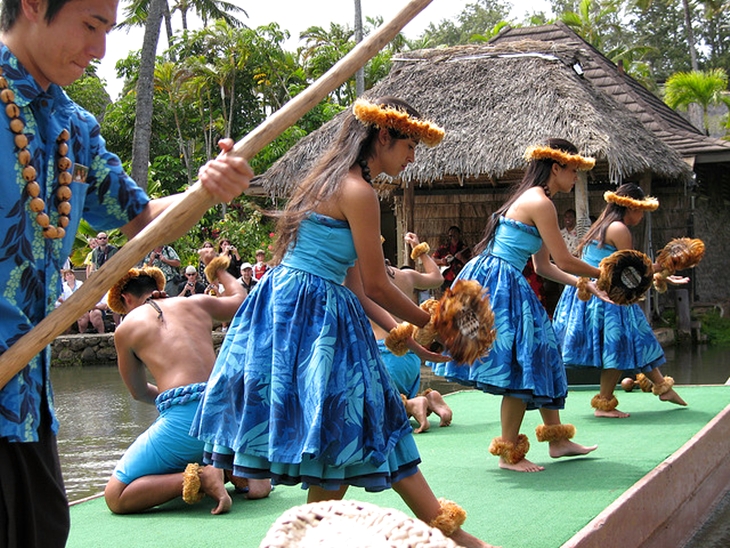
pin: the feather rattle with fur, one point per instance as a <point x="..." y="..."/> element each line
<point x="626" y="276"/>
<point x="678" y="254"/>
<point x="462" y="320"/>
<point x="465" y="321"/>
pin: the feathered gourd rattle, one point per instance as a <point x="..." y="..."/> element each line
<point x="461" y="319"/>
<point x="678" y="254"/>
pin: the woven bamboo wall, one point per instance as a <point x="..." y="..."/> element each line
<point x="435" y="213"/>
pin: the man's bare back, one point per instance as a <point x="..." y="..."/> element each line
<point x="176" y="346"/>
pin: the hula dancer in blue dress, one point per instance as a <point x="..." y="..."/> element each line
<point x="615" y="339"/>
<point x="299" y="392"/>
<point x="524" y="365"/>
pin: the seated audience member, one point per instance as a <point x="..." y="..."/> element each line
<point x="94" y="316"/>
<point x="452" y="256"/>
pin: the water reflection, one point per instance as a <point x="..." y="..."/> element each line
<point x="99" y="419"/>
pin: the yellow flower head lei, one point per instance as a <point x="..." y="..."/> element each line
<point x="542" y="152"/>
<point x="648" y="203"/>
<point x="385" y="116"/>
<point x="114" y="297"/>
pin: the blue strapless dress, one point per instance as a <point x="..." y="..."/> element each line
<point x="524" y="361"/>
<point x="299" y="392"/>
<point x="601" y="335"/>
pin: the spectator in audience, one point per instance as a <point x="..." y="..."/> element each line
<point x="88" y="261"/>
<point x="247" y="280"/>
<point x="103" y="251"/>
<point x="191" y="285"/>
<point x="166" y="259"/>
<point x="260" y="268"/>
<point x="227" y="249"/>
<point x="569" y="231"/>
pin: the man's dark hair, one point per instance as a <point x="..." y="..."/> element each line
<point x="10" y="10"/>
<point x="140" y="285"/>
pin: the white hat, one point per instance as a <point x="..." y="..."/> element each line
<point x="244" y="266"/>
<point x="190" y="270"/>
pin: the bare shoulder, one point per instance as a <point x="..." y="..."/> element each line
<point x="531" y="206"/>
<point x="618" y="235"/>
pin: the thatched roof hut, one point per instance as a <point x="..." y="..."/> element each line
<point x="708" y="156"/>
<point x="494" y="101"/>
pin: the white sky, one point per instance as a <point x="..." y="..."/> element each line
<point x="297" y="15"/>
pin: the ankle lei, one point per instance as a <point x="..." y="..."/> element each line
<point x="37" y="205"/>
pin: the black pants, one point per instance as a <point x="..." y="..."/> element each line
<point x="33" y="505"/>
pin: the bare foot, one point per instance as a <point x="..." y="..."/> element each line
<point x="418" y="409"/>
<point x="672" y="397"/>
<point x="211" y="482"/>
<point x="613" y="414"/>
<point x="438" y="405"/>
<point x="462" y="538"/>
<point x="522" y="466"/>
<point x="567" y="448"/>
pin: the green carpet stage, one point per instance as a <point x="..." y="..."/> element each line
<point x="653" y="477"/>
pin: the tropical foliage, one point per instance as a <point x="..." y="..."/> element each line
<point x="224" y="79"/>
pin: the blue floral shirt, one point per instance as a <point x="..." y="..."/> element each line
<point x="29" y="263"/>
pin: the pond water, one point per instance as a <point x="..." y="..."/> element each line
<point x="99" y="419"/>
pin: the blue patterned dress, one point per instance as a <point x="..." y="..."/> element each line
<point x="524" y="361"/>
<point x="601" y="335"/>
<point x="299" y="392"/>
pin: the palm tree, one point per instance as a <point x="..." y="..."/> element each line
<point x="150" y="13"/>
<point x="136" y="12"/>
<point x="687" y="10"/>
<point x="590" y="20"/>
<point x="703" y="88"/>
<point x="170" y="80"/>
<point x="209" y="10"/>
<point x="360" y="74"/>
<point x="145" y="93"/>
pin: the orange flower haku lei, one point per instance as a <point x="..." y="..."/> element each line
<point x="37" y="205"/>
<point x="424" y="131"/>
<point x="114" y="297"/>
<point x="649" y="203"/>
<point x="539" y="152"/>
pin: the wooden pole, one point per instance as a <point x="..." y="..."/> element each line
<point x="582" y="213"/>
<point x="196" y="201"/>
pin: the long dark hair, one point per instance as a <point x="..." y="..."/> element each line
<point x="612" y="212"/>
<point x="354" y="144"/>
<point x="537" y="174"/>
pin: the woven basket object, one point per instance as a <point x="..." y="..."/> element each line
<point x="351" y="524"/>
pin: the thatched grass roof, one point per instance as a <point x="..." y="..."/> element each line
<point x="494" y="101"/>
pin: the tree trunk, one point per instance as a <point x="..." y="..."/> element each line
<point x="360" y="74"/>
<point x="693" y="110"/>
<point x="145" y="91"/>
<point x="690" y="34"/>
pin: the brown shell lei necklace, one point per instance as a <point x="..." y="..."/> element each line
<point x="63" y="193"/>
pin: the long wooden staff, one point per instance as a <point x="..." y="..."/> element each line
<point x="196" y="201"/>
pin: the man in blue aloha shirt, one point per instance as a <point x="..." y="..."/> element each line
<point x="52" y="156"/>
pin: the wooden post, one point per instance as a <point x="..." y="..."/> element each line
<point x="646" y="243"/>
<point x="681" y="304"/>
<point x="409" y="199"/>
<point x="582" y="215"/>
